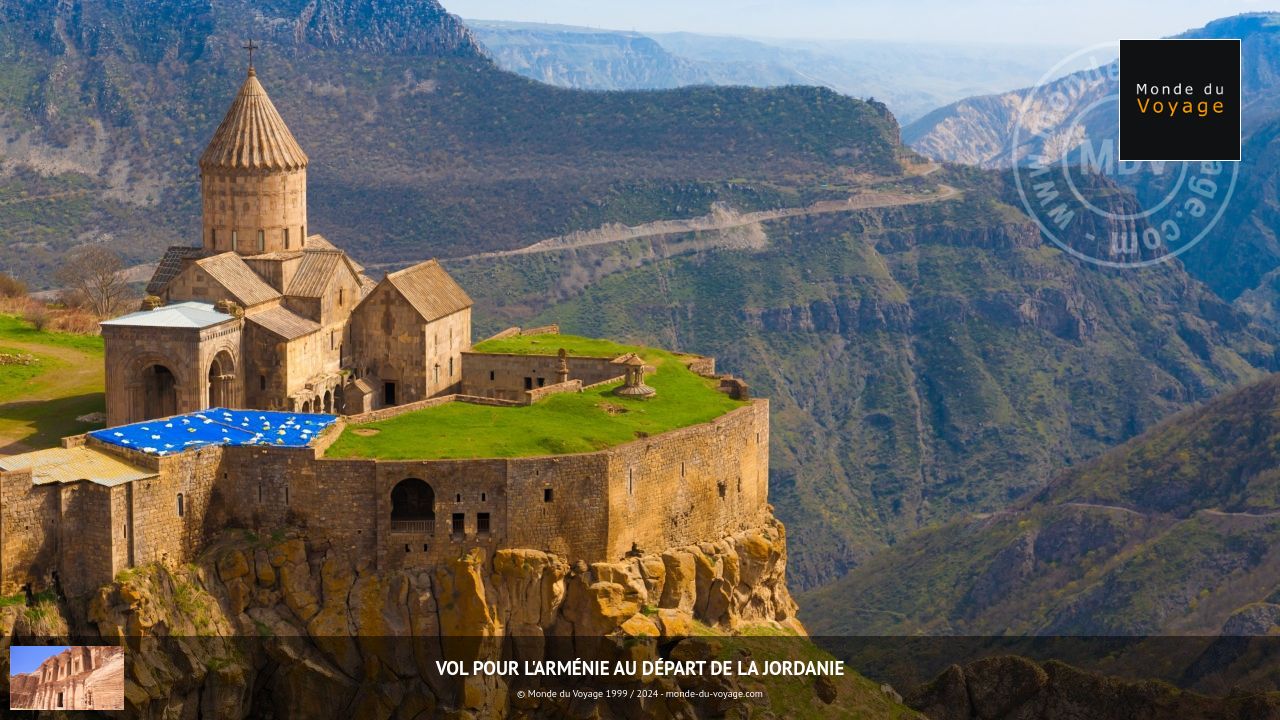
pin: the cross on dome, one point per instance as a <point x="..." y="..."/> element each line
<point x="251" y="47"/>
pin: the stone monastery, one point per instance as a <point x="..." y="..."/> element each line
<point x="263" y="315"/>
<point x="257" y="350"/>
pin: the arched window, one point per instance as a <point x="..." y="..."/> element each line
<point x="413" y="507"/>
<point x="181" y="509"/>
<point x="262" y="241"/>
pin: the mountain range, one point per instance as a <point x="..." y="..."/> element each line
<point x="980" y="130"/>
<point x="421" y="147"/>
<point x="911" y="78"/>
<point x="929" y="356"/>
<point x="1240" y="258"/>
<point x="1173" y="533"/>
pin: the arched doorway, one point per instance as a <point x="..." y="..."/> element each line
<point x="159" y="392"/>
<point x="339" y="403"/>
<point x="328" y="401"/>
<point x="222" y="380"/>
<point x="306" y="406"/>
<point x="413" y="507"/>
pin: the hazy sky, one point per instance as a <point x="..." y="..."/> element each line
<point x="1040" y="22"/>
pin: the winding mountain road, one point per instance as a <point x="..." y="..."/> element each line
<point x="720" y="218"/>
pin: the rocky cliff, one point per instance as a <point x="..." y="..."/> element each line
<point x="286" y="627"/>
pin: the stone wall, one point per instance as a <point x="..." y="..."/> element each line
<point x="508" y="376"/>
<point x="85" y="537"/>
<point x="238" y="204"/>
<point x="268" y="487"/>
<point x="537" y="394"/>
<point x="680" y="488"/>
<point x="276" y="270"/>
<point x="29" y="532"/>
<point x="194" y="283"/>
<point x="392" y="344"/>
<point x="160" y="530"/>
<point x="462" y="489"/>
<point x="266" y="375"/>
<point x="688" y="485"/>
<point x="559" y="504"/>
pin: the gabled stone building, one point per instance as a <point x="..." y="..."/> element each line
<point x="264" y="314"/>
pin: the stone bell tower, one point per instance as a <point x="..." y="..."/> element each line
<point x="253" y="179"/>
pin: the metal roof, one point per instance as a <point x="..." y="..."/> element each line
<point x="178" y="315"/>
<point x="64" y="465"/>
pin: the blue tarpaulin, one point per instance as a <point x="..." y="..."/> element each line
<point x="217" y="426"/>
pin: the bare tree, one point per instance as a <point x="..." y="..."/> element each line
<point x="97" y="275"/>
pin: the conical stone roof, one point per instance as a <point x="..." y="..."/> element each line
<point x="253" y="136"/>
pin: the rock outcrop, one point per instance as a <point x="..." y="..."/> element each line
<point x="299" y="627"/>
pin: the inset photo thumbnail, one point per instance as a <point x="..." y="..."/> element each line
<point x="66" y="677"/>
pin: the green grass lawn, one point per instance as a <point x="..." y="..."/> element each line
<point x="566" y="423"/>
<point x="15" y="328"/>
<point x="551" y="344"/>
<point x="40" y="403"/>
<point x="15" y="380"/>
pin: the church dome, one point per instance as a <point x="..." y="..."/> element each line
<point x="253" y="136"/>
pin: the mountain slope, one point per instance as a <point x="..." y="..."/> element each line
<point x="979" y="130"/>
<point x="1241" y="254"/>
<point x="922" y="361"/>
<point x="1174" y="533"/>
<point x="419" y="145"/>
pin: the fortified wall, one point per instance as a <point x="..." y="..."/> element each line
<point x="690" y="485"/>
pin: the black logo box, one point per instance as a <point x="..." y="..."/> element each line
<point x="1190" y="64"/>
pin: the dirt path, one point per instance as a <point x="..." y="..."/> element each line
<point x="1253" y="516"/>
<point x="720" y="218"/>
<point x="85" y="368"/>
<point x="1213" y="512"/>
<point x="1098" y="506"/>
<point x="34" y="416"/>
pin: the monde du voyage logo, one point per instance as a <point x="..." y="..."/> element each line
<point x="1131" y="162"/>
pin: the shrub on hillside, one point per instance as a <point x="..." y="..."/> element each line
<point x="11" y="287"/>
<point x="37" y="314"/>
